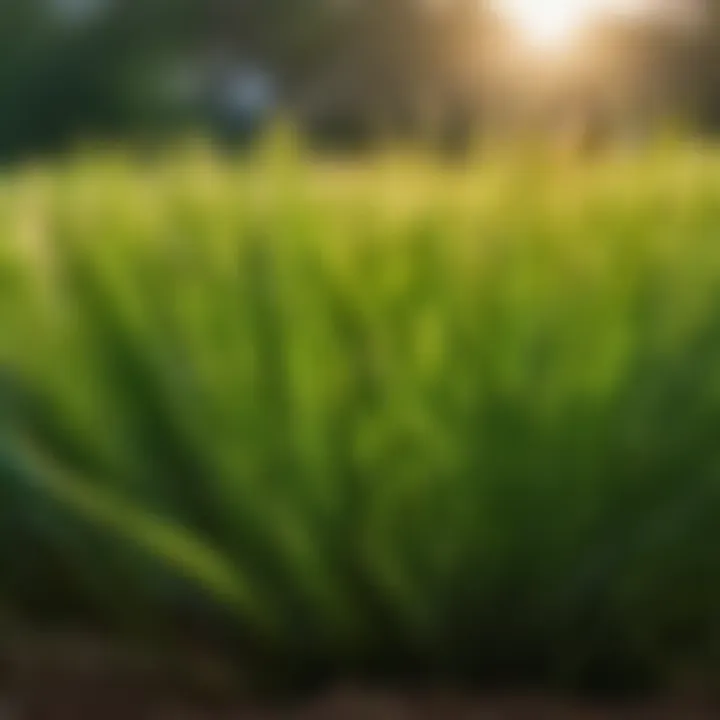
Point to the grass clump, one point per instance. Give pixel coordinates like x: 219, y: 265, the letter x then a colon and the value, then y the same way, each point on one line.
x: 392, y: 415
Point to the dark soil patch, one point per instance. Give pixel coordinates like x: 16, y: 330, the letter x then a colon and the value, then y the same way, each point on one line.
x: 82, y: 680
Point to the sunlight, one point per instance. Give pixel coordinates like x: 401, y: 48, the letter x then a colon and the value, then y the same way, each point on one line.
x: 550, y: 23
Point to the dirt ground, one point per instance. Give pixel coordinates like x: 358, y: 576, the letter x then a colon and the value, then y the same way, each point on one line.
x: 83, y: 702
x: 50, y: 681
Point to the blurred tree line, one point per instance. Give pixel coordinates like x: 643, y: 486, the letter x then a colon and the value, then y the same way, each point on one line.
x: 77, y: 68
x: 345, y: 68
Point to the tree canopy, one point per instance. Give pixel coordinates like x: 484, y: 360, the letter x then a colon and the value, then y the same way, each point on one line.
x: 70, y: 69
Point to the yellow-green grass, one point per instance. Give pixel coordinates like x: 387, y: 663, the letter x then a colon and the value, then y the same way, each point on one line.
x: 449, y: 419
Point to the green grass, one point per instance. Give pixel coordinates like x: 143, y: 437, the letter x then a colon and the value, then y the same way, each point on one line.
x: 394, y: 414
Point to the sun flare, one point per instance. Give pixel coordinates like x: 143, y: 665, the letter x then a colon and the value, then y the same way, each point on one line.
x: 549, y: 23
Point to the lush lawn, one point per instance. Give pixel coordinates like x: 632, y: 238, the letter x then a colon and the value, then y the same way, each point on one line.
x: 451, y: 419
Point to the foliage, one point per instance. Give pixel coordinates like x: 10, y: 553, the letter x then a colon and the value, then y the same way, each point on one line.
x: 345, y: 68
x: 396, y: 415
x: 63, y: 81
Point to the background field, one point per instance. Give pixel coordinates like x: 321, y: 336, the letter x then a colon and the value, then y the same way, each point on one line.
x: 395, y: 417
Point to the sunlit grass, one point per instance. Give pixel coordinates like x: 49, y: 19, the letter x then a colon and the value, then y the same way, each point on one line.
x: 447, y: 417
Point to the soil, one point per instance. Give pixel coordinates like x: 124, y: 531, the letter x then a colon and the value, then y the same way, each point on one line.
x: 82, y: 680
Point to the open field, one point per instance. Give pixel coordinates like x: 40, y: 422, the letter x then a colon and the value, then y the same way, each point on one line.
x: 381, y: 420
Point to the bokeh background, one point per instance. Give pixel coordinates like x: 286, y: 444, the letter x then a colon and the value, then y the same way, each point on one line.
x: 344, y: 70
